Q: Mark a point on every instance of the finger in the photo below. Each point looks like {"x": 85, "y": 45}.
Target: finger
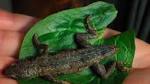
{"x": 5, "y": 19}
{"x": 15, "y": 22}
{"x": 141, "y": 76}
{"x": 9, "y": 43}
{"x": 23, "y": 22}
{"x": 7, "y": 81}
{"x": 4, "y": 62}
{"x": 109, "y": 33}
{"x": 142, "y": 54}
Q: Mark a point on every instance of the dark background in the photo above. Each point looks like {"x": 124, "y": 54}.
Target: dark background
{"x": 132, "y": 14}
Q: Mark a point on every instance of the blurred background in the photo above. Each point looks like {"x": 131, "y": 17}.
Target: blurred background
{"x": 132, "y": 14}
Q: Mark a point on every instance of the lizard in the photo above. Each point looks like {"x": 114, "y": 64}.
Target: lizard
{"x": 69, "y": 61}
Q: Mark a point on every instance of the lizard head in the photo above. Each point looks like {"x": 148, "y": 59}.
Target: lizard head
{"x": 104, "y": 51}
{"x": 109, "y": 50}
{"x": 21, "y": 69}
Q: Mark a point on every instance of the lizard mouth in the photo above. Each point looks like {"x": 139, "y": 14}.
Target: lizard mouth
{"x": 9, "y": 72}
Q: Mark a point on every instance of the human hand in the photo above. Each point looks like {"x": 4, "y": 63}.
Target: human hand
{"x": 14, "y": 26}
{"x": 12, "y": 30}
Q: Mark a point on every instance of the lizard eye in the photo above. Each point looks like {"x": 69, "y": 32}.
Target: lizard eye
{"x": 13, "y": 76}
{"x": 13, "y": 64}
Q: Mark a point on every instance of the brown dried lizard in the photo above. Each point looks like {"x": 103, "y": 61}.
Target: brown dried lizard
{"x": 65, "y": 62}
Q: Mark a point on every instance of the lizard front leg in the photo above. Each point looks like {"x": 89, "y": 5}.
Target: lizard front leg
{"x": 88, "y": 25}
{"x": 81, "y": 38}
{"x": 41, "y": 48}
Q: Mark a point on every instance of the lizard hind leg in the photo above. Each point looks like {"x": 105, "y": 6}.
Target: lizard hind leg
{"x": 82, "y": 38}
{"x": 121, "y": 67}
{"x": 56, "y": 81}
{"x": 41, "y": 48}
{"x": 101, "y": 70}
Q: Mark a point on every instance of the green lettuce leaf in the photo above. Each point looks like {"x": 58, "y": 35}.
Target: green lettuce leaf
{"x": 61, "y": 27}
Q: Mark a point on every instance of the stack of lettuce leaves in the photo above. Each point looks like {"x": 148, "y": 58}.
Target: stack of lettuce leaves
{"x": 57, "y": 30}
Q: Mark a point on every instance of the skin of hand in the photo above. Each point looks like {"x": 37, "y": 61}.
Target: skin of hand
{"x": 12, "y": 30}
{"x": 14, "y": 26}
